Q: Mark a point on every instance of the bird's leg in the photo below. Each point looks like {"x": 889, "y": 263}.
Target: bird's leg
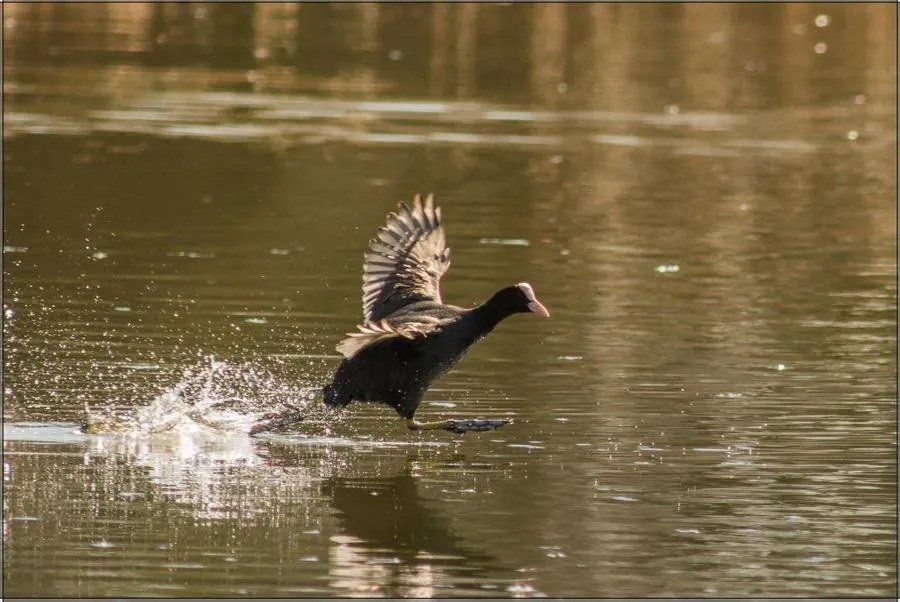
{"x": 276, "y": 420}
{"x": 436, "y": 425}
{"x": 457, "y": 426}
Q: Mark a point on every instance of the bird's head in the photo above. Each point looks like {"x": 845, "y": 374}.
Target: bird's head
{"x": 519, "y": 298}
{"x": 531, "y": 302}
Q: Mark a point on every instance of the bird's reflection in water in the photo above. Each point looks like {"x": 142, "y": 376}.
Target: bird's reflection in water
{"x": 385, "y": 530}
{"x": 394, "y": 541}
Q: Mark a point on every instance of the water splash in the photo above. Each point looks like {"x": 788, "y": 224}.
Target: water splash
{"x": 212, "y": 395}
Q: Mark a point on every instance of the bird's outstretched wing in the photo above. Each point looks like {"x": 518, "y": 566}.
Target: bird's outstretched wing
{"x": 405, "y": 260}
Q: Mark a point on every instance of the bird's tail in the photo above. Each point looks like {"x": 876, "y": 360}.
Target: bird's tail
{"x": 334, "y": 398}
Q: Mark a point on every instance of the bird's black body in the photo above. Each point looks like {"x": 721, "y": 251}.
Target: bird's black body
{"x": 408, "y": 336}
{"x": 398, "y": 371}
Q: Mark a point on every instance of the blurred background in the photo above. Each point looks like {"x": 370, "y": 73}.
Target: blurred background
{"x": 704, "y": 195}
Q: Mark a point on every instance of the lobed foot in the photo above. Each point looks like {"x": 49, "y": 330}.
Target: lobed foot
{"x": 475, "y": 424}
{"x": 459, "y": 426}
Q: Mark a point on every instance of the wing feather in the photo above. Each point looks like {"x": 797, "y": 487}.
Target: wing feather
{"x": 382, "y": 330}
{"x": 405, "y": 260}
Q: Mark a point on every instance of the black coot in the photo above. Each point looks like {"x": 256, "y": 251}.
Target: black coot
{"x": 408, "y": 336}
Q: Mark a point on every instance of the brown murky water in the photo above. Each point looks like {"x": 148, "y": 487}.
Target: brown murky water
{"x": 703, "y": 195}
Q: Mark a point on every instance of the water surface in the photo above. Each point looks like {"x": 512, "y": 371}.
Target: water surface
{"x": 703, "y": 195}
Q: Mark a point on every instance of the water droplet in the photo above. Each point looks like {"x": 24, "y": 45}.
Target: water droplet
{"x": 820, "y": 48}
{"x": 102, "y": 544}
{"x": 515, "y": 242}
{"x": 822, "y": 20}
{"x": 667, "y": 268}
{"x": 396, "y": 54}
{"x": 852, "y": 135}
{"x": 99, "y": 255}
